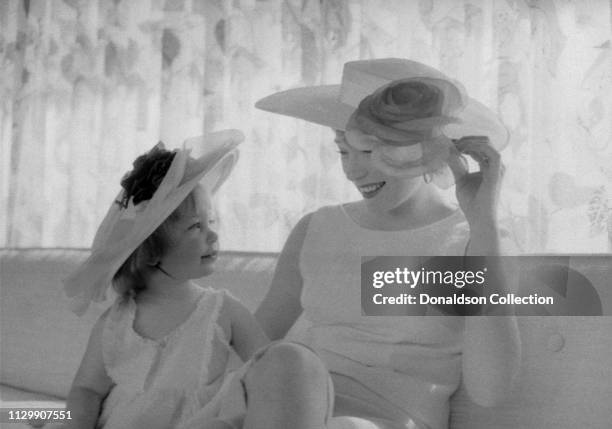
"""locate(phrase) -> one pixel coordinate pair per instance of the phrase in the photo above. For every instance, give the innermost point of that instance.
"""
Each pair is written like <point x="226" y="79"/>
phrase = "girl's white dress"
<point x="400" y="370"/>
<point x="162" y="383"/>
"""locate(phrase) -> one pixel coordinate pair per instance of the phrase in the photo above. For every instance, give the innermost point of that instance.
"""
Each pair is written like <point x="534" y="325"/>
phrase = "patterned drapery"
<point x="87" y="85"/>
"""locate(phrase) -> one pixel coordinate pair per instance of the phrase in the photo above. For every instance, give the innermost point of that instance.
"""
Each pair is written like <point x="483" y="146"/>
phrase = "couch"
<point x="565" y="379"/>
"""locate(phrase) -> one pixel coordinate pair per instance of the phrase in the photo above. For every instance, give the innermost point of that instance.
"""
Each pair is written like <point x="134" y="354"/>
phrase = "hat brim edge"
<point x="316" y="104"/>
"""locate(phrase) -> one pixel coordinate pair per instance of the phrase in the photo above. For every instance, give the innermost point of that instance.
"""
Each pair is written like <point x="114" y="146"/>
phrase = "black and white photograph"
<point x="306" y="214"/>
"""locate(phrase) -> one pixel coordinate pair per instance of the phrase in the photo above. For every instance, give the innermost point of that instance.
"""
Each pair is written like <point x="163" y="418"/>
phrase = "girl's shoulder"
<point x="228" y="304"/>
<point x="125" y="315"/>
<point x="118" y="320"/>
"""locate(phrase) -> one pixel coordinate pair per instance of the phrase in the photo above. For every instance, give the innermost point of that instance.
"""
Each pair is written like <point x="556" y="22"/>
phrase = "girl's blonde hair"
<point x="131" y="277"/>
<point x="140" y="184"/>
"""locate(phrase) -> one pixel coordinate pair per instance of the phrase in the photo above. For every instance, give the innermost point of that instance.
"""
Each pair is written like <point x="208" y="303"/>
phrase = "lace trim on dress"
<point x="210" y="333"/>
<point x="174" y="332"/>
<point x="111" y="333"/>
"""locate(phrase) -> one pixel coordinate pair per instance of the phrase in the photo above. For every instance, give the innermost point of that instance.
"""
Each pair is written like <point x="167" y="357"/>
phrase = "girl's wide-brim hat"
<point x="333" y="105"/>
<point x="206" y="160"/>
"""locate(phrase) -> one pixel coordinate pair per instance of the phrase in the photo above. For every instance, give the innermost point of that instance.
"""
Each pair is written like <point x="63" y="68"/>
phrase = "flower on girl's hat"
<point x="149" y="170"/>
<point x="407" y="117"/>
<point x="159" y="182"/>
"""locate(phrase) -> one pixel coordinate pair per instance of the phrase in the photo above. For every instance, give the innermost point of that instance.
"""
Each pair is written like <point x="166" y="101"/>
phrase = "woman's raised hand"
<point x="477" y="192"/>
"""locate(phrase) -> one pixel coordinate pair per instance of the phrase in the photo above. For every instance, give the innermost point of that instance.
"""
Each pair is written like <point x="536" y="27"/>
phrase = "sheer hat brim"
<point x="206" y="160"/>
<point x="316" y="104"/>
<point x="332" y="105"/>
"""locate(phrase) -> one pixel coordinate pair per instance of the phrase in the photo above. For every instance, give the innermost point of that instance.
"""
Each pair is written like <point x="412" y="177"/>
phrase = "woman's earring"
<point x="427" y="177"/>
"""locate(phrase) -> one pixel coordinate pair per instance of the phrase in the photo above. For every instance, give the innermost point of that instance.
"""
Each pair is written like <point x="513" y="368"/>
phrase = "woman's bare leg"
<point x="288" y="387"/>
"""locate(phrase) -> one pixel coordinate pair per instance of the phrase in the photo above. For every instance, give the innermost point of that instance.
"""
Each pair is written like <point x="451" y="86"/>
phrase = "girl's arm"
<point x="246" y="334"/>
<point x="91" y="383"/>
<point x="281" y="306"/>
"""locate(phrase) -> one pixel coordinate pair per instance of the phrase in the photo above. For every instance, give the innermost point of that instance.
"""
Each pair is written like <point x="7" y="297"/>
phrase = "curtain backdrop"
<point x="87" y="85"/>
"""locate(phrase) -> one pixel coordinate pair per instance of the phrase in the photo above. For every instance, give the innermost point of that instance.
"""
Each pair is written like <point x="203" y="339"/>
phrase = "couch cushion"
<point x="565" y="380"/>
<point x="43" y="342"/>
<point x="21" y="399"/>
<point x="12" y="397"/>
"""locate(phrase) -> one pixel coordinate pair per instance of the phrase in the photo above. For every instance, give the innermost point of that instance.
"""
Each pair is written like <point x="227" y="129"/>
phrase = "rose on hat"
<point x="408" y="117"/>
<point x="333" y="105"/>
<point x="406" y="108"/>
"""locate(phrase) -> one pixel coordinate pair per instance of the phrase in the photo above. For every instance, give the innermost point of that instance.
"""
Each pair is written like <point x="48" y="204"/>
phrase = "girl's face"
<point x="380" y="191"/>
<point x="193" y="242"/>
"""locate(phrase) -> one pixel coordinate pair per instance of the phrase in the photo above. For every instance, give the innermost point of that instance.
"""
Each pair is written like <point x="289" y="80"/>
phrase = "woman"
<point x="387" y="372"/>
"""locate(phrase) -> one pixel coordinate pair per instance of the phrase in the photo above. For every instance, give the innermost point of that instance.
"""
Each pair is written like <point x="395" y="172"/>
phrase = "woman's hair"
<point x="140" y="185"/>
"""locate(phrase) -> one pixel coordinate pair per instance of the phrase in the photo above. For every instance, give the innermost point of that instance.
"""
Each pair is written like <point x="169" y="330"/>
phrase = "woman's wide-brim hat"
<point x="333" y="105"/>
<point x="206" y="160"/>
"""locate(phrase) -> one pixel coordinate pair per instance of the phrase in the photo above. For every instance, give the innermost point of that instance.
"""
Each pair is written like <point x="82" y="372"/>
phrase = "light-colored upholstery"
<point x="43" y="342"/>
<point x="565" y="379"/>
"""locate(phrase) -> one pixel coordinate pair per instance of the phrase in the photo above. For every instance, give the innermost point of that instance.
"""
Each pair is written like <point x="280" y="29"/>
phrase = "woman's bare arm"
<point x="281" y="306"/>
<point x="491" y="348"/>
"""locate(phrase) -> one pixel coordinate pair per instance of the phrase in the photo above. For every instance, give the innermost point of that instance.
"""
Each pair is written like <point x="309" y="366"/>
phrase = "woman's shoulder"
<point x="295" y="240"/>
<point x="326" y="221"/>
<point x="325" y="214"/>
<point x="330" y="209"/>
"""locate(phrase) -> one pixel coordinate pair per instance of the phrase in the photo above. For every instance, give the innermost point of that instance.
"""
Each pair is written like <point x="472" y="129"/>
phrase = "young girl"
<point x="158" y="355"/>
<point x="392" y="372"/>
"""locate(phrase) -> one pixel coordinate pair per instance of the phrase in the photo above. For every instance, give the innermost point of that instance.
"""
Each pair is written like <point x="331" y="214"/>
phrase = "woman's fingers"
<point x="457" y="164"/>
<point x="480" y="149"/>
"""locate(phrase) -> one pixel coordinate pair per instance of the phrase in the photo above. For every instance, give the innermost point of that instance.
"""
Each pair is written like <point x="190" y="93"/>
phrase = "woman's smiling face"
<point x="379" y="190"/>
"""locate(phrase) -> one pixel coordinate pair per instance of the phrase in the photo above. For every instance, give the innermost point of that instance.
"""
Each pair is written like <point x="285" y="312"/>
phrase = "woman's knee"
<point x="287" y="386"/>
<point x="291" y="359"/>
<point x="288" y="363"/>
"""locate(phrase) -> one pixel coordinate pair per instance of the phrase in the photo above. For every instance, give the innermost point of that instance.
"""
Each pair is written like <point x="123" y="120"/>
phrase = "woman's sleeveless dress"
<point x="162" y="383"/>
<point x="400" y="370"/>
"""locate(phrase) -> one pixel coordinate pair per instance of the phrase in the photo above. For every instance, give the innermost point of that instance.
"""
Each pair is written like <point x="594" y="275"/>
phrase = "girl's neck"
<point x="162" y="288"/>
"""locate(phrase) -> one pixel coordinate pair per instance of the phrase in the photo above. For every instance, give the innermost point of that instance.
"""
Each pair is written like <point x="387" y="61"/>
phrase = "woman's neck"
<point x="423" y="208"/>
